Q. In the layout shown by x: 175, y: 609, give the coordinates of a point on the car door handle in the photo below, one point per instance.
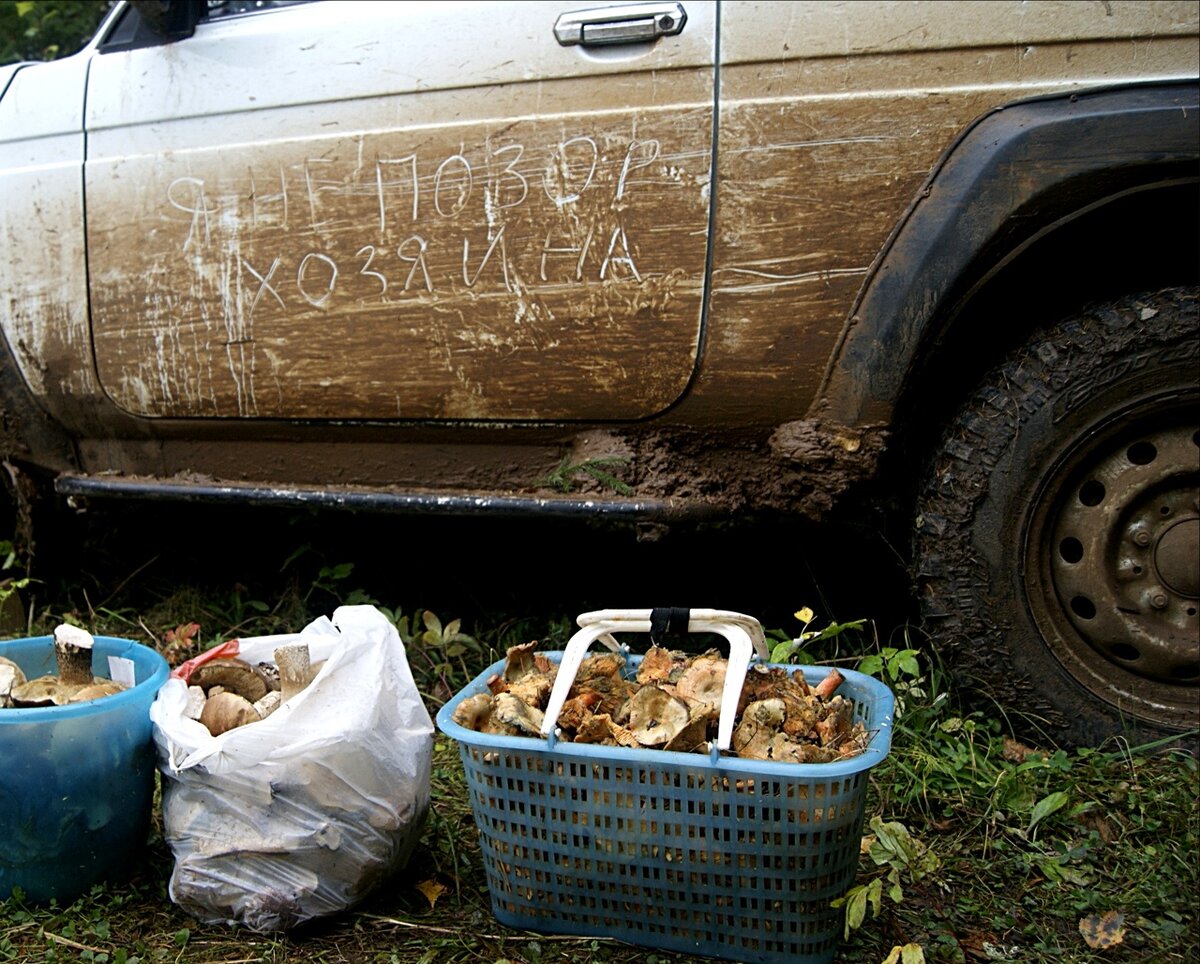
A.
x: 632, y: 23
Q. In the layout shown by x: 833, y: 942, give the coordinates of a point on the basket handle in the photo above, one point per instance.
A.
x: 744, y: 633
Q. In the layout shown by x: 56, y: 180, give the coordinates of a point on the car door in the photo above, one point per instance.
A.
x: 380, y: 211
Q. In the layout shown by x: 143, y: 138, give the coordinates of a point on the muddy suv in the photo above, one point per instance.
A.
x: 692, y: 259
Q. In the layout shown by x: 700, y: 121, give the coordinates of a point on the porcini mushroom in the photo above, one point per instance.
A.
x: 73, y: 651
x: 233, y: 675
x: 295, y: 672
x: 227, y: 711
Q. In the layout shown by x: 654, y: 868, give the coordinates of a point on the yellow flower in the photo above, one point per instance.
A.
x: 805, y: 615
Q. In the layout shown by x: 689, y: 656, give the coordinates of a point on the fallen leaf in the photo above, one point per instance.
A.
x: 908, y: 954
x: 1103, y: 930
x: 432, y: 891
x: 864, y: 845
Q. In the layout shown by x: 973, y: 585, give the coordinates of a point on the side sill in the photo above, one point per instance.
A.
x: 448, y: 504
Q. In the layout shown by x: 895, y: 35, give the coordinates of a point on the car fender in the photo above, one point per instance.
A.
x: 1012, y: 175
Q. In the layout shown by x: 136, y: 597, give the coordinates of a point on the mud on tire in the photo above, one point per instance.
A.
x: 1056, y: 540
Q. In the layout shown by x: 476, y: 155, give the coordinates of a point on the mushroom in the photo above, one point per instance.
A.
x: 656, y: 665
x: 783, y: 750
x: 44, y: 691
x: 828, y: 686
x: 96, y: 690
x: 760, y: 723
x: 836, y: 724
x: 227, y: 711
x: 10, y: 676
x: 234, y: 675
x: 195, y: 703
x: 600, y: 666
x: 577, y: 710
x: 519, y: 661
x: 532, y: 689
x: 295, y: 672
x: 73, y: 651
x: 601, y: 730
x: 703, y: 682
x: 694, y: 736
x: 513, y: 712
x: 473, y: 711
x: 656, y: 717
x: 269, y: 703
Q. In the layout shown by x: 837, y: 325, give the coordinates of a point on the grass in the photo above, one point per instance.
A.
x: 984, y: 848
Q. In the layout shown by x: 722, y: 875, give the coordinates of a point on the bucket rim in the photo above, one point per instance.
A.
x: 121, y: 647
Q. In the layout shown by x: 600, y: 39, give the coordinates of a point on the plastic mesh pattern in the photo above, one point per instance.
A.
x: 738, y: 859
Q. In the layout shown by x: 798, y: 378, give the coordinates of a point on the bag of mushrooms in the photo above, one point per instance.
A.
x: 296, y: 771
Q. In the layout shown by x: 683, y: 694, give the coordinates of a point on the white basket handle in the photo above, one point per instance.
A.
x: 744, y: 633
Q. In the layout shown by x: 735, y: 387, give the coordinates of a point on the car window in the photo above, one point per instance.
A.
x: 221, y: 9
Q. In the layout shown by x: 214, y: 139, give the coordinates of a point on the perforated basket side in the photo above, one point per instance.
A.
x: 738, y: 860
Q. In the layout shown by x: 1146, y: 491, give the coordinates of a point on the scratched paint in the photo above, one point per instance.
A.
x: 546, y: 272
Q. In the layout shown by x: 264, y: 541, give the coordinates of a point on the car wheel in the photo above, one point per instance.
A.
x: 1058, y: 535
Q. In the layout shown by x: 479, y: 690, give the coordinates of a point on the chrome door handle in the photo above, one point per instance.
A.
x: 631, y: 23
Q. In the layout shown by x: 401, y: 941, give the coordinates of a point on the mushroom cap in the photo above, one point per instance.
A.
x: 97, y: 690
x: 227, y: 711
x: 43, y: 691
x: 656, y: 665
x: 10, y: 676
x: 513, y: 712
x: 235, y: 675
x: 519, y: 660
x: 66, y: 634
x: 760, y: 723
x: 655, y: 716
x: 532, y: 689
x: 703, y: 682
x: 472, y: 711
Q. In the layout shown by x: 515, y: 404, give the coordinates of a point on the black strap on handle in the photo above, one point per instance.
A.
x: 668, y: 622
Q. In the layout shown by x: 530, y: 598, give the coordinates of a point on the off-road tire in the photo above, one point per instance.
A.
x: 1056, y: 537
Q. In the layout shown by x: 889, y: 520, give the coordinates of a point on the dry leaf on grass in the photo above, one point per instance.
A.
x: 1103, y: 930
x: 432, y: 891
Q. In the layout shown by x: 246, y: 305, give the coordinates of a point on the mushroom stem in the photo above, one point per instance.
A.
x: 294, y: 670
x: 828, y: 686
x: 73, y: 650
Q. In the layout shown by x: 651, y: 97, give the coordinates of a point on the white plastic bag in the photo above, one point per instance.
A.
x: 301, y: 814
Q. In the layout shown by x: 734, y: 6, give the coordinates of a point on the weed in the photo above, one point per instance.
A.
x: 564, y: 477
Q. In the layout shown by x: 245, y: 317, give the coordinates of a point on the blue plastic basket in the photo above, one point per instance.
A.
x: 731, y: 858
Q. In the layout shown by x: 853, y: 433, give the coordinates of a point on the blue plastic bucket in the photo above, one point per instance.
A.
x: 76, y: 781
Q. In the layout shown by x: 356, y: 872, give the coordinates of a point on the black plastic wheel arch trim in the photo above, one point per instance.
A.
x: 1015, y: 171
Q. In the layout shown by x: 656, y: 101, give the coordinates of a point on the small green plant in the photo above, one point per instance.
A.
x: 786, y: 649
x: 438, y: 653
x: 906, y: 859
x: 10, y: 586
x: 564, y: 477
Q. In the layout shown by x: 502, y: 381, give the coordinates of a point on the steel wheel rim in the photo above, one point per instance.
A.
x: 1111, y: 560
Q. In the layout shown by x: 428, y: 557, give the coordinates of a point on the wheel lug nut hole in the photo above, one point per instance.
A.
x: 1126, y: 652
x: 1091, y: 492
x: 1141, y: 453
x: 1083, y: 607
x: 1070, y: 549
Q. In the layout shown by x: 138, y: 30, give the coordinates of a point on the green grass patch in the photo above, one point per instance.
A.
x: 978, y: 847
